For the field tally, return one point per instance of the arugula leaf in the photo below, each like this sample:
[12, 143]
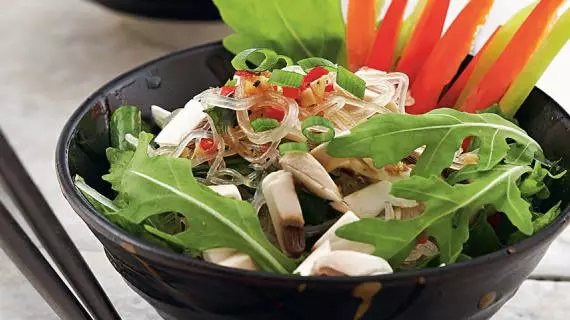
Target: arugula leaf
[223, 118]
[154, 185]
[97, 200]
[496, 187]
[387, 138]
[295, 28]
[451, 233]
[119, 160]
[519, 154]
[539, 223]
[482, 238]
[126, 119]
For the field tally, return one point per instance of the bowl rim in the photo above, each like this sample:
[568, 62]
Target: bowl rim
[97, 221]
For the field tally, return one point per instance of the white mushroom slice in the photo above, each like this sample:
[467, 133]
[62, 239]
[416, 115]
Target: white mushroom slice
[370, 201]
[305, 268]
[307, 170]
[159, 115]
[329, 235]
[181, 125]
[240, 261]
[350, 263]
[227, 190]
[340, 244]
[217, 255]
[285, 210]
[328, 162]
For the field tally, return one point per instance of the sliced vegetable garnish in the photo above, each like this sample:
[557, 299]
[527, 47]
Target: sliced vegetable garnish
[408, 27]
[227, 90]
[351, 82]
[317, 129]
[286, 78]
[274, 113]
[360, 25]
[207, 144]
[517, 53]
[240, 61]
[450, 97]
[425, 37]
[293, 147]
[381, 55]
[264, 124]
[283, 61]
[315, 74]
[535, 67]
[292, 93]
[442, 64]
[310, 63]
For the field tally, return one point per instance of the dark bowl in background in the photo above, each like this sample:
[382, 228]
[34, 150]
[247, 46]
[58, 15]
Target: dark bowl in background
[165, 9]
[181, 287]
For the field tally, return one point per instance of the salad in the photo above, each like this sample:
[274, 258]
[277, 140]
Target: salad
[301, 165]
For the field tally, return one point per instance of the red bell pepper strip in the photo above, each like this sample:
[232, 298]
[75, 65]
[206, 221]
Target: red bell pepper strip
[425, 37]
[384, 49]
[513, 59]
[445, 59]
[246, 74]
[227, 90]
[275, 113]
[314, 74]
[407, 29]
[360, 24]
[451, 96]
[292, 93]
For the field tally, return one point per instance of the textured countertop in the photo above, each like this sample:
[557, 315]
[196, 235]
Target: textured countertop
[57, 52]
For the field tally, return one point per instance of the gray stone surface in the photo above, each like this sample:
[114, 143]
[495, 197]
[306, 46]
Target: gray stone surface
[57, 52]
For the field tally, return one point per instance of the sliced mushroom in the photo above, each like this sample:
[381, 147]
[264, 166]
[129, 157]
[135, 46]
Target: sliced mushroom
[227, 190]
[329, 235]
[217, 255]
[305, 268]
[350, 263]
[307, 170]
[329, 163]
[239, 261]
[285, 210]
[371, 201]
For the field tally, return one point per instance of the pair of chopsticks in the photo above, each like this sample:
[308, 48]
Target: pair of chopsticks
[95, 304]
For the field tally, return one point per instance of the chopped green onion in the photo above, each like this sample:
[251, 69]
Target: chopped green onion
[310, 63]
[283, 61]
[264, 124]
[270, 58]
[293, 147]
[351, 82]
[317, 129]
[286, 78]
[230, 82]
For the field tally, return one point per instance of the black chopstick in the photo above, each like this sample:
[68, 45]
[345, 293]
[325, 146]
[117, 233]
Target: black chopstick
[52, 235]
[37, 270]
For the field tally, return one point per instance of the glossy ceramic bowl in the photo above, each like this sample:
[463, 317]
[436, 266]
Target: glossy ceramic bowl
[181, 287]
[165, 9]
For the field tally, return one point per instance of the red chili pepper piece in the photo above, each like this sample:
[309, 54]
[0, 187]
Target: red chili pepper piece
[228, 90]
[292, 93]
[495, 220]
[246, 74]
[329, 87]
[274, 113]
[314, 74]
[207, 144]
[423, 238]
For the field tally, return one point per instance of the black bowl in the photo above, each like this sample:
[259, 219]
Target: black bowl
[180, 287]
[165, 9]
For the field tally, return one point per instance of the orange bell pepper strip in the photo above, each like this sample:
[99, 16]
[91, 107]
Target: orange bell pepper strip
[360, 25]
[517, 53]
[426, 35]
[494, 49]
[450, 97]
[444, 61]
[382, 54]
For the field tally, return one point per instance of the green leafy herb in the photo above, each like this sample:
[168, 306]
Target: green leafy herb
[223, 118]
[539, 223]
[119, 160]
[534, 185]
[350, 82]
[126, 119]
[154, 185]
[296, 28]
[482, 238]
[446, 205]
[387, 138]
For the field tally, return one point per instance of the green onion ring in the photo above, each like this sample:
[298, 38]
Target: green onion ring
[264, 124]
[351, 82]
[239, 62]
[282, 62]
[287, 147]
[323, 125]
[310, 63]
[286, 78]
